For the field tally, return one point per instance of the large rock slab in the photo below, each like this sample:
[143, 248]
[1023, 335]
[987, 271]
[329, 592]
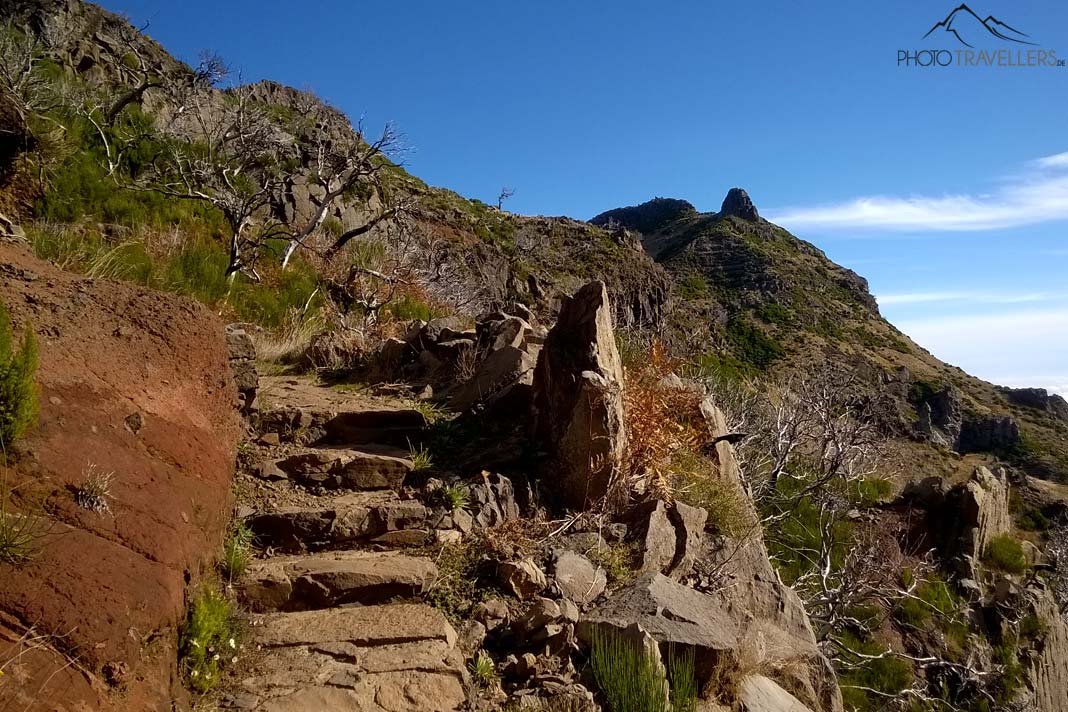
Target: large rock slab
[509, 368]
[578, 399]
[670, 612]
[342, 520]
[137, 383]
[338, 468]
[762, 694]
[325, 580]
[578, 579]
[673, 537]
[396, 658]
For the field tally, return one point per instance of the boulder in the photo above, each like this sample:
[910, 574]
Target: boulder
[578, 399]
[492, 501]
[506, 369]
[761, 694]
[673, 615]
[492, 613]
[523, 578]
[984, 510]
[658, 546]
[577, 578]
[674, 537]
[337, 468]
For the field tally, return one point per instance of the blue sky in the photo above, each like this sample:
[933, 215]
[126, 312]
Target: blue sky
[946, 187]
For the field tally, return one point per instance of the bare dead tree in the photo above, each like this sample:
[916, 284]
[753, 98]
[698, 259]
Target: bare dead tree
[504, 195]
[817, 429]
[375, 273]
[337, 168]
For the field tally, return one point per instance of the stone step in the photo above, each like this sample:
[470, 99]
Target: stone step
[344, 520]
[400, 427]
[339, 468]
[395, 658]
[334, 579]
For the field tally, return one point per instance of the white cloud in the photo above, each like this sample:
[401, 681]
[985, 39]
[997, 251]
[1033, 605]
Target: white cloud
[1038, 195]
[1057, 160]
[971, 297]
[1018, 348]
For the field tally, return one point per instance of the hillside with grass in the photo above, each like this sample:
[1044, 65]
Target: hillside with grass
[752, 300]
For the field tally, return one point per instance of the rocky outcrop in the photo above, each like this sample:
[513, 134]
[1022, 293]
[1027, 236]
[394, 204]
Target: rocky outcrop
[992, 433]
[739, 204]
[771, 622]
[984, 510]
[137, 384]
[243, 364]
[939, 416]
[578, 401]
[1049, 666]
[1037, 399]
[963, 519]
[942, 420]
[647, 218]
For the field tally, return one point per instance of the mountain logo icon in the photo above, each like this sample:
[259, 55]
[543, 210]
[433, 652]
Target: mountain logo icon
[965, 25]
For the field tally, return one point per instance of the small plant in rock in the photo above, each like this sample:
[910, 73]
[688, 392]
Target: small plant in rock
[18, 394]
[208, 640]
[94, 493]
[20, 535]
[456, 588]
[484, 671]
[421, 459]
[682, 680]
[628, 675]
[432, 412]
[619, 560]
[456, 497]
[1005, 554]
[237, 552]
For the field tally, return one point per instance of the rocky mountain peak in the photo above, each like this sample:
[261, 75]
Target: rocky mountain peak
[739, 204]
[648, 217]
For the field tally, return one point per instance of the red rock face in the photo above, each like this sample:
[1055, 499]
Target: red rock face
[135, 383]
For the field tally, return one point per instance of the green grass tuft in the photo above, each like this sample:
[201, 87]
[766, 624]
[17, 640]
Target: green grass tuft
[1005, 554]
[208, 639]
[629, 677]
[18, 393]
[237, 552]
[457, 497]
[484, 671]
[421, 459]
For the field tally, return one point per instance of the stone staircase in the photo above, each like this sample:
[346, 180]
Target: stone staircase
[337, 621]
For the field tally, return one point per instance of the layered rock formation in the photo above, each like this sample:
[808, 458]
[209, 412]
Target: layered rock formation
[134, 384]
[578, 402]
